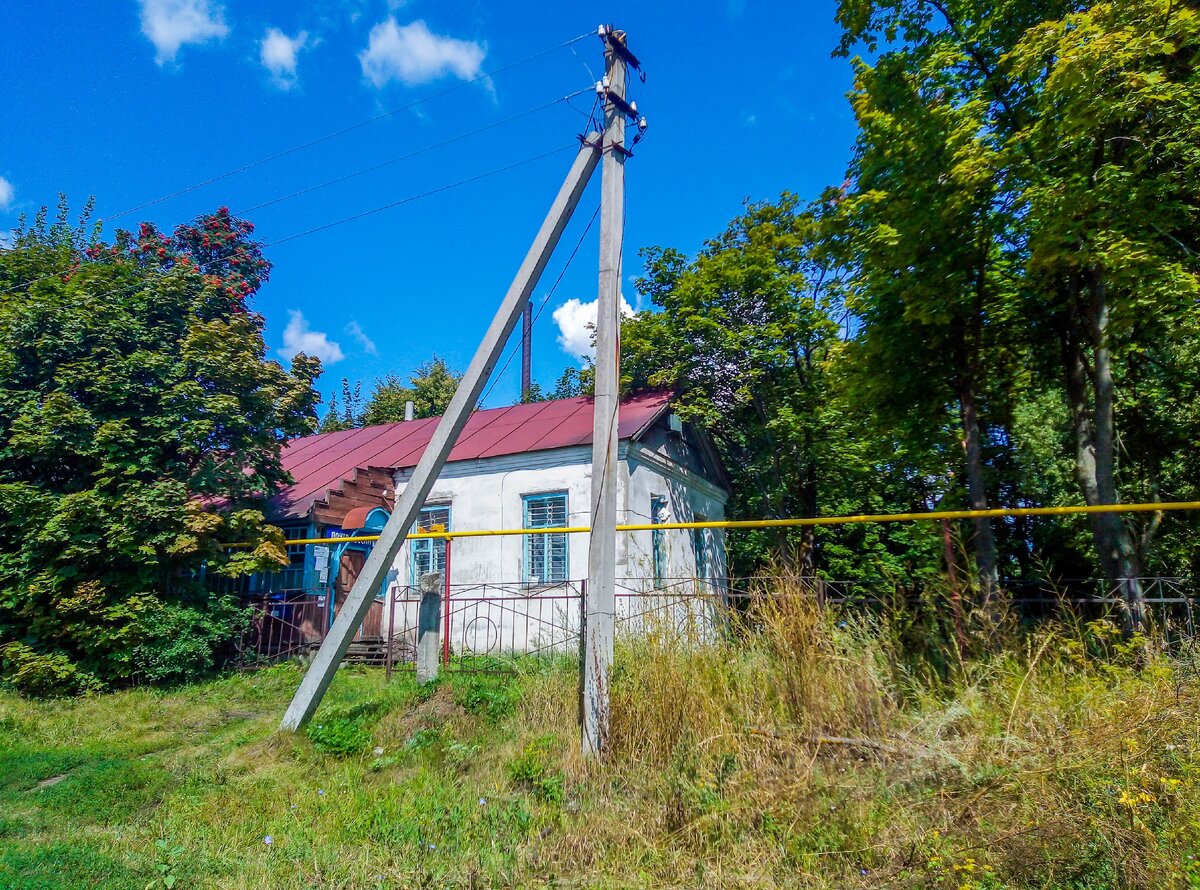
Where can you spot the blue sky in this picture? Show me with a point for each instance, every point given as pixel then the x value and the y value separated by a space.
pixel 132 100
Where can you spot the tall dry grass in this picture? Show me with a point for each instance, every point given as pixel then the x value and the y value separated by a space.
pixel 808 747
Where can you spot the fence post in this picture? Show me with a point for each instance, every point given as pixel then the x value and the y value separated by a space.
pixel 582 640
pixel 391 635
pixel 446 609
pixel 429 627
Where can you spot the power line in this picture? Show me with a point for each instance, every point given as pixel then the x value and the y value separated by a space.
pixel 357 216
pixel 278 200
pixel 344 130
pixel 412 154
pixel 545 300
pixel 426 194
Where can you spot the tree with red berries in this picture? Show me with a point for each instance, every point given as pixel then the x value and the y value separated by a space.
pixel 141 424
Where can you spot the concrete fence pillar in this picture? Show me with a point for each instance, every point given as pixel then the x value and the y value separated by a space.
pixel 429 627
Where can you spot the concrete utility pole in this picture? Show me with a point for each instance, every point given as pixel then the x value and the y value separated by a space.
pixel 600 597
pixel 392 538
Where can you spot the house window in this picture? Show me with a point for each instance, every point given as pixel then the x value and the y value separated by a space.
pixel 292 576
pixel 546 555
pixel 429 554
pixel 658 538
pixel 700 546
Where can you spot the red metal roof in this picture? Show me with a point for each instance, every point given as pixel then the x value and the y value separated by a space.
pixel 322 462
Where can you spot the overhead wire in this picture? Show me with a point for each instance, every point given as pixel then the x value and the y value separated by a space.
pixel 496 377
pixel 344 130
pixel 357 216
pixel 308 189
pixel 419 195
pixel 546 299
pixel 412 154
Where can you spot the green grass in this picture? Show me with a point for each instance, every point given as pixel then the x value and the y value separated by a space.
pixel 806 755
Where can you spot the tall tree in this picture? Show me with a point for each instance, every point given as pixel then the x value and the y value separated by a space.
pixel 345 415
pixel 923 234
pixel 1113 94
pixel 430 388
pixel 750 334
pixel 140 424
pixel 1091 109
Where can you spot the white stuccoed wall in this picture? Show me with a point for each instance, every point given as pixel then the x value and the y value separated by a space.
pixel 487 494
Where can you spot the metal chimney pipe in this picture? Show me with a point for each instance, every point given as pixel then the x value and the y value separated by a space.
pixel 409 408
pixel 526 352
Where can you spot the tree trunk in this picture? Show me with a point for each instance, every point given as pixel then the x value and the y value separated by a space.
pixel 985 542
pixel 1095 452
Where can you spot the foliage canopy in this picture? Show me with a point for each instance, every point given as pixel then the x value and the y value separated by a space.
pixel 140 424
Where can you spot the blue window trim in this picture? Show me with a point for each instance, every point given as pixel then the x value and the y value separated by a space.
pixel 429 545
pixel 658 540
pixel 701 550
pixel 564 539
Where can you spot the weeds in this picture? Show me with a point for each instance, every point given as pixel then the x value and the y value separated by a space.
pixel 532 768
pixel 804 749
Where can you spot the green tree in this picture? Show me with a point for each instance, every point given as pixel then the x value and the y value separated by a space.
pixel 1107 166
pixel 924 233
pixel 140 425
pixel 575 382
pixel 348 414
pixel 750 336
pixel 430 388
pixel 1089 115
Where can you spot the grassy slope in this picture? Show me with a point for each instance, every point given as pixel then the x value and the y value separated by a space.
pixel 809 755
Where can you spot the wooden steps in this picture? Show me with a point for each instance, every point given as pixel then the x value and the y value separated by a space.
pixel 372 651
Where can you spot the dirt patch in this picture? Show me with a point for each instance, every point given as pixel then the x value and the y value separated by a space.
pixel 48 783
pixel 437 710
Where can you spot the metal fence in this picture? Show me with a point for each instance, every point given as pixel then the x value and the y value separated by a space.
pixel 486 624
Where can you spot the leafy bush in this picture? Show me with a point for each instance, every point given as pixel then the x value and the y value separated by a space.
pixel 43 676
pixel 344 730
pixel 139 415
pixel 179 643
pixel 491 695
pixel 532 768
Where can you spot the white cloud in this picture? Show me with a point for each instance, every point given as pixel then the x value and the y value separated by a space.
pixel 298 338
pixel 354 329
pixel 576 320
pixel 278 54
pixel 170 24
pixel 413 54
pixel 7 193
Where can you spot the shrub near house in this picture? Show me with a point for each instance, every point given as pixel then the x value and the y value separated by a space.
pixel 134 394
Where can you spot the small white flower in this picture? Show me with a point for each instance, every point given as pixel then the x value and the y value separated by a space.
pixel 378 751
pixel 268 840
pixel 483 801
pixel 321 792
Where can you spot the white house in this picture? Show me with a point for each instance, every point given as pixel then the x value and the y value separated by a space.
pixel 524 466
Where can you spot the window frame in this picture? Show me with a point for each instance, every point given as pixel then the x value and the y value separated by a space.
pixel 434 548
pixel 529 542
pixel 658 540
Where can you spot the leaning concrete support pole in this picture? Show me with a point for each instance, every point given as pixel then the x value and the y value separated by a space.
pixel 600 601
pixel 391 539
pixel 429 628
